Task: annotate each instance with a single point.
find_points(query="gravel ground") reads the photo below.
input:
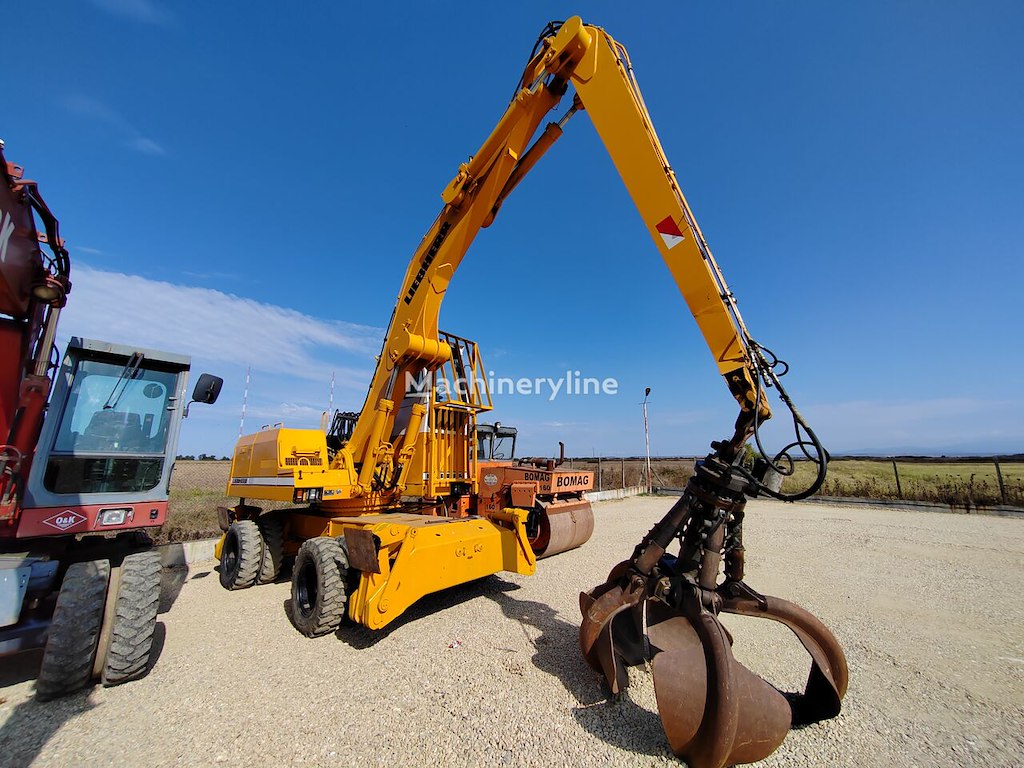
(927, 605)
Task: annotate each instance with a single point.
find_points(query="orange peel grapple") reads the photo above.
(665, 609)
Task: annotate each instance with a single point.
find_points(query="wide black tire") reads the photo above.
(241, 556)
(74, 630)
(134, 620)
(272, 529)
(319, 595)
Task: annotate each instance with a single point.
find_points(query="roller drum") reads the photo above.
(563, 525)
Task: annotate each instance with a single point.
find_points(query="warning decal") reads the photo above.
(669, 232)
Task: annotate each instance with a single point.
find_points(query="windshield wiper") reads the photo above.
(129, 372)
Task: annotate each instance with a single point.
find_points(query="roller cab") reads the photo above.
(560, 516)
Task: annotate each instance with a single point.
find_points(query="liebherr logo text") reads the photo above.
(428, 259)
(571, 481)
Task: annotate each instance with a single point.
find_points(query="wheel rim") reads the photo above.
(307, 588)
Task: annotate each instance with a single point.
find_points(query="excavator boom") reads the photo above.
(410, 449)
(589, 60)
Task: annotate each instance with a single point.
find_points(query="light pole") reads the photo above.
(647, 438)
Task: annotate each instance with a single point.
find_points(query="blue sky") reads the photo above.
(246, 183)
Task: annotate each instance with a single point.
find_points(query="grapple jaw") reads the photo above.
(665, 609)
(714, 710)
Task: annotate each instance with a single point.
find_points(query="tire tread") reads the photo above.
(332, 567)
(138, 600)
(272, 530)
(250, 556)
(74, 630)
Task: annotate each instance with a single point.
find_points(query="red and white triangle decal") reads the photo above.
(669, 232)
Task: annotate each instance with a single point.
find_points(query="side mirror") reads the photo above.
(207, 390)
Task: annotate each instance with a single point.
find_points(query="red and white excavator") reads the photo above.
(87, 445)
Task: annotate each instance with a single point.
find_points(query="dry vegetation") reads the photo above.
(623, 473)
(965, 485)
(197, 487)
(961, 484)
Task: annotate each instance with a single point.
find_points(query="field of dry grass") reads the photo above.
(623, 473)
(197, 489)
(960, 484)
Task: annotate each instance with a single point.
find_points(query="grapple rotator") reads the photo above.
(665, 609)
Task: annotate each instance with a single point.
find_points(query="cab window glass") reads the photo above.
(108, 413)
(503, 448)
(114, 430)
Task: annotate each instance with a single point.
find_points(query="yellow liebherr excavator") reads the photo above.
(391, 490)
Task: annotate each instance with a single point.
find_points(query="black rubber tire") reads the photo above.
(319, 596)
(134, 621)
(241, 556)
(272, 529)
(74, 631)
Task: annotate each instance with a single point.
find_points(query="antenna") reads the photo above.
(325, 417)
(647, 441)
(245, 398)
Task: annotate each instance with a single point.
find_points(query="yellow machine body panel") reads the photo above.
(418, 555)
(286, 465)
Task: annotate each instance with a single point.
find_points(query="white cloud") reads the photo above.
(934, 424)
(147, 146)
(216, 326)
(85, 106)
(98, 112)
(145, 11)
(308, 414)
(293, 355)
(951, 426)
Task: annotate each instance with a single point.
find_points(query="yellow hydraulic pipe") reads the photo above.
(384, 407)
(551, 134)
(408, 448)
